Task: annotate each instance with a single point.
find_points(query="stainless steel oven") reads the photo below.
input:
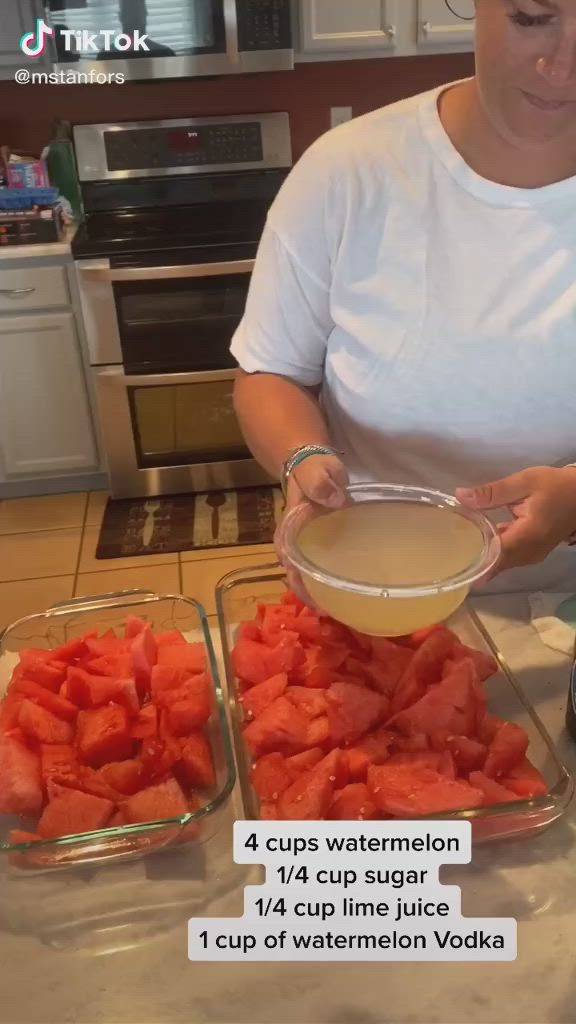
(150, 39)
(163, 288)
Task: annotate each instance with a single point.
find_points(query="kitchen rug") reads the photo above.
(189, 522)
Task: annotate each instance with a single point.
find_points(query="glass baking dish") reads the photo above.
(62, 623)
(237, 597)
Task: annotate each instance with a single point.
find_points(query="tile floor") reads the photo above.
(47, 555)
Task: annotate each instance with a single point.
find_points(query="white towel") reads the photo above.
(554, 618)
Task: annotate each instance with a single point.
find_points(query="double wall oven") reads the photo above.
(174, 211)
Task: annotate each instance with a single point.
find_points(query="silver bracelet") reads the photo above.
(298, 456)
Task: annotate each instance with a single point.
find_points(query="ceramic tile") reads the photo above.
(28, 597)
(157, 578)
(265, 551)
(42, 553)
(89, 562)
(51, 512)
(200, 578)
(96, 505)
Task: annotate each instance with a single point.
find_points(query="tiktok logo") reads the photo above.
(33, 44)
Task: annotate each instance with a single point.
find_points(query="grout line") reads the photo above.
(42, 529)
(180, 574)
(82, 532)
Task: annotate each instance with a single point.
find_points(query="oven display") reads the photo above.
(194, 146)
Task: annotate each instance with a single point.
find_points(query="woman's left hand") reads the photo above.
(542, 501)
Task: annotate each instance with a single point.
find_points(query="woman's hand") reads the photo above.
(320, 480)
(542, 501)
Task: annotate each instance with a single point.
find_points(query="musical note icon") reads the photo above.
(33, 44)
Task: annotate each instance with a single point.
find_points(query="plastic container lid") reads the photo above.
(395, 501)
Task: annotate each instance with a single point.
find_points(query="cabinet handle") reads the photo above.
(445, 30)
(14, 292)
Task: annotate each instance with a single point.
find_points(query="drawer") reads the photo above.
(33, 288)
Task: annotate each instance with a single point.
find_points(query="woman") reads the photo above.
(413, 304)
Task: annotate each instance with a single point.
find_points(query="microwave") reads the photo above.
(150, 39)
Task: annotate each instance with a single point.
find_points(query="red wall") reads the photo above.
(307, 94)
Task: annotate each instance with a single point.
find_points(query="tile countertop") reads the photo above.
(123, 956)
(41, 249)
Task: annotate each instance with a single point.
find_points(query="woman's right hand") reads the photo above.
(319, 480)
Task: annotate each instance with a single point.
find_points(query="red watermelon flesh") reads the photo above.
(353, 803)
(45, 698)
(103, 735)
(312, 702)
(191, 657)
(318, 732)
(261, 696)
(469, 755)
(20, 784)
(145, 726)
(125, 777)
(41, 725)
(51, 674)
(56, 757)
(352, 711)
(144, 656)
(197, 761)
(449, 706)
(525, 780)
(423, 669)
(157, 803)
(173, 638)
(134, 625)
(270, 777)
(493, 792)
(308, 798)
(281, 726)
(506, 751)
(70, 812)
(299, 763)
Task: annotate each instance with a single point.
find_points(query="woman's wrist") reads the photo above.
(299, 455)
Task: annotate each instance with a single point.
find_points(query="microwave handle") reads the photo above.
(231, 24)
(117, 376)
(166, 273)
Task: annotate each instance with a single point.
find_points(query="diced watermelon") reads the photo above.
(89, 691)
(70, 652)
(269, 811)
(469, 755)
(197, 761)
(299, 763)
(17, 836)
(81, 777)
(408, 791)
(275, 619)
(414, 743)
(493, 792)
(525, 780)
(119, 666)
(191, 657)
(125, 777)
(391, 662)
(318, 732)
(51, 674)
(103, 735)
(20, 784)
(259, 697)
(250, 631)
(9, 712)
(32, 655)
(353, 803)
(145, 727)
(308, 798)
(134, 625)
(289, 597)
(42, 725)
(422, 759)
(286, 654)
(158, 756)
(373, 748)
(173, 638)
(70, 812)
(157, 803)
(312, 702)
(56, 757)
(250, 661)
(188, 714)
(448, 706)
(352, 711)
(144, 656)
(165, 678)
(423, 669)
(270, 776)
(45, 698)
(485, 665)
(281, 727)
(506, 751)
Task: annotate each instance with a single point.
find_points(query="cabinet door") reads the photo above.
(348, 24)
(45, 419)
(441, 23)
(16, 18)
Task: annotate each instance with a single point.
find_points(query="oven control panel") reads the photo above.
(264, 25)
(188, 146)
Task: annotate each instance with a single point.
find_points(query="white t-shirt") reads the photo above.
(437, 308)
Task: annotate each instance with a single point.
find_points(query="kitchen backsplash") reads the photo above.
(26, 113)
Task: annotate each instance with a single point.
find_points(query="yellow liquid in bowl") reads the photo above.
(390, 544)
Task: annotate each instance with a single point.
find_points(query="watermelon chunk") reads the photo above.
(42, 725)
(281, 726)
(449, 706)
(144, 656)
(91, 691)
(312, 702)
(250, 661)
(261, 696)
(190, 710)
(125, 777)
(103, 735)
(270, 776)
(134, 625)
(525, 780)
(469, 755)
(156, 803)
(146, 725)
(9, 712)
(190, 657)
(70, 812)
(353, 803)
(173, 638)
(81, 777)
(158, 756)
(353, 710)
(298, 763)
(407, 791)
(45, 698)
(423, 669)
(308, 798)
(318, 732)
(56, 757)
(119, 666)
(20, 784)
(493, 792)
(51, 674)
(197, 761)
(506, 751)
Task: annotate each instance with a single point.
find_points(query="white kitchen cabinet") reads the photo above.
(343, 25)
(45, 421)
(16, 18)
(442, 23)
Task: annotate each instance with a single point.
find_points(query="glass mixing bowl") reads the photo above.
(393, 560)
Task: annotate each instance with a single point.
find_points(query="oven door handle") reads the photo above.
(231, 23)
(118, 377)
(167, 273)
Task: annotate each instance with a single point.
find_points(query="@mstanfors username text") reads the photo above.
(66, 76)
